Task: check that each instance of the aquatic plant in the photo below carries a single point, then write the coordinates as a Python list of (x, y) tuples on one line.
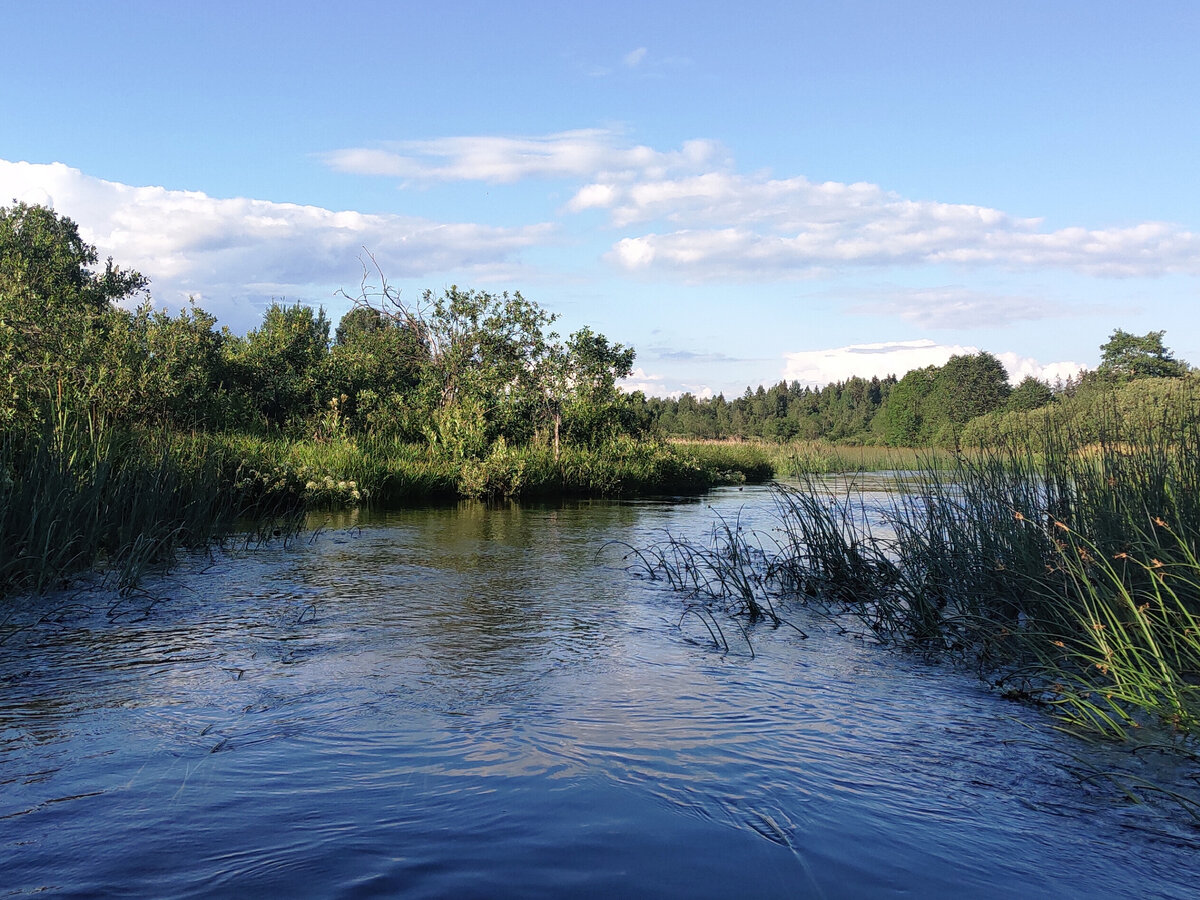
[(728, 574), (1062, 573)]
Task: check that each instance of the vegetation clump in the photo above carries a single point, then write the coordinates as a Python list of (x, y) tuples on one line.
[(127, 432), (1062, 568)]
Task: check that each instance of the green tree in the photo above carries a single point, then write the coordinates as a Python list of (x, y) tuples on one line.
[(595, 408), (56, 313), (1029, 394), (372, 374), (1126, 356), (901, 420), (277, 366)]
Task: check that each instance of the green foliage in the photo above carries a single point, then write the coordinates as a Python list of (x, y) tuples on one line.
[(1028, 395), (931, 406), (1125, 357), (55, 313), (278, 365), (842, 411), (901, 421), (469, 369)]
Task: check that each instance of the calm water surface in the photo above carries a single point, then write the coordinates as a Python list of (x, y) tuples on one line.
[(483, 703)]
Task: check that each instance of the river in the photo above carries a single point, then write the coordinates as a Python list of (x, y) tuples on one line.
[(473, 702)]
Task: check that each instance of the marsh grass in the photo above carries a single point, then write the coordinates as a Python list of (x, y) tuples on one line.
[(1062, 573), (77, 496), (724, 579)]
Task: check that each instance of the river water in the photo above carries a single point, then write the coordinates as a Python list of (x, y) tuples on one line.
[(474, 702)]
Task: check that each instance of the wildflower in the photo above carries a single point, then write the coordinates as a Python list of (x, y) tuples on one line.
[(352, 484), (1062, 525), (341, 485), (1058, 643), (1160, 523), (1155, 564), (1121, 555), (1103, 668), (1097, 626), (1018, 517), (311, 486)]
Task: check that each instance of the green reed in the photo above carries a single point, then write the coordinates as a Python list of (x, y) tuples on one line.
[(1062, 573)]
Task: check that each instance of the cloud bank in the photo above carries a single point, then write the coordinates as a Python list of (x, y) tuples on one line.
[(695, 217), (235, 254)]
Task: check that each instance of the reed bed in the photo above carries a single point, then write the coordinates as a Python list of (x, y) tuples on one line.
[(76, 497), (1063, 574)]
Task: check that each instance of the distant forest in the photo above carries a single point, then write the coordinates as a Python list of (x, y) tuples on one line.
[(966, 401)]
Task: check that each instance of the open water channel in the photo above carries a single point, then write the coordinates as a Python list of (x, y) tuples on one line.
[(473, 702)]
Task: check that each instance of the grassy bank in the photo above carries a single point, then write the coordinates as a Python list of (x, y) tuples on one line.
[(768, 459), (74, 497)]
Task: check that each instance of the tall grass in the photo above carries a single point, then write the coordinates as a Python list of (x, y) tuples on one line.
[(1062, 573), (762, 460), (74, 497)]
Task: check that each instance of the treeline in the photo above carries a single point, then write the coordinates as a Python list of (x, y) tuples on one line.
[(465, 373), (966, 402), (462, 371)]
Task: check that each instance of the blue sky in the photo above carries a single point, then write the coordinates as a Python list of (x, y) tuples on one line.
[(743, 192)]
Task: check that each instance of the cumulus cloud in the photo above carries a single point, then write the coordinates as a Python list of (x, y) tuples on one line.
[(655, 385), (729, 225), (821, 367), (238, 252), (688, 213), (585, 153), (1020, 367)]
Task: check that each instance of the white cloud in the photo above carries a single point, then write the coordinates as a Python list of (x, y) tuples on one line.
[(821, 367), (727, 225), (654, 385), (594, 196), (585, 153), (633, 58), (955, 306), (239, 252), (700, 219), (1019, 367)]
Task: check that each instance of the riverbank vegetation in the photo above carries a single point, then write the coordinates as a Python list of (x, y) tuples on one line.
[(1059, 565), (126, 431)]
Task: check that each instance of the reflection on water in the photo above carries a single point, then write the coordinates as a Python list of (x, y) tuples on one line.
[(480, 702)]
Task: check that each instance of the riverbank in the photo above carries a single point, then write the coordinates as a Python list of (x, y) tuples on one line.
[(123, 500)]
